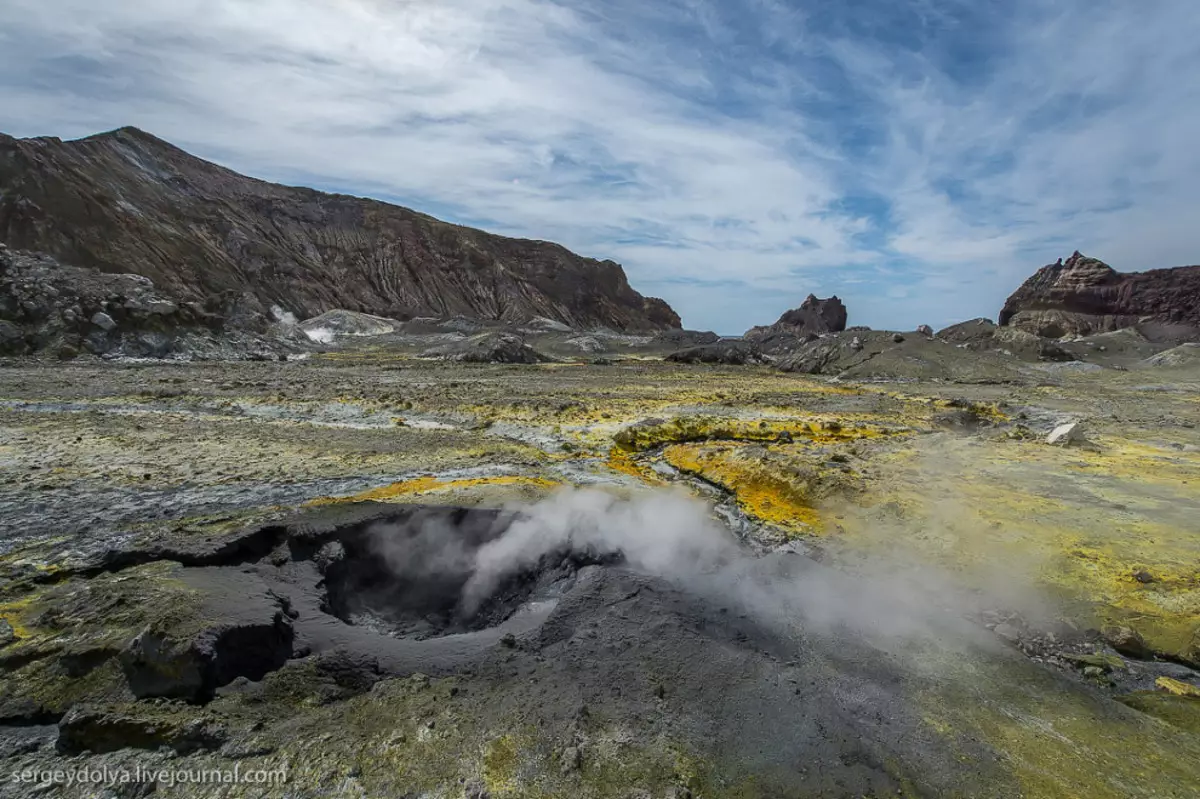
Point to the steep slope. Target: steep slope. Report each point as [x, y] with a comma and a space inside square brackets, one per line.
[1085, 295]
[128, 202]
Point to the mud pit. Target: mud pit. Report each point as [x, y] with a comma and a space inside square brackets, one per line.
[199, 571]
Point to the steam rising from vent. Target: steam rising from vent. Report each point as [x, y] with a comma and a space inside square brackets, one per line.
[665, 533]
[474, 574]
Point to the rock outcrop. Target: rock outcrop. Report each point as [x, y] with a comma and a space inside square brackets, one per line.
[814, 317]
[1083, 296]
[49, 308]
[127, 202]
[983, 335]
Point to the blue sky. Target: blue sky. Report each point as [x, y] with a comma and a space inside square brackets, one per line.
[918, 158]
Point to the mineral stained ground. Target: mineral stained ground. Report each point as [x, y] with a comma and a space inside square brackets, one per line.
[913, 594]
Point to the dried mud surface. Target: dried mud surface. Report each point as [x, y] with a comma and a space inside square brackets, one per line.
[190, 576]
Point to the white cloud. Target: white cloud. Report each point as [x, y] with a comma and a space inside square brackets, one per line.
[686, 139]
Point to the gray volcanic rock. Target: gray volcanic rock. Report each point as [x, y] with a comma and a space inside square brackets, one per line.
[50, 308]
[983, 335]
[876, 355]
[1084, 296]
[813, 316]
[126, 201]
[242, 630]
[487, 348]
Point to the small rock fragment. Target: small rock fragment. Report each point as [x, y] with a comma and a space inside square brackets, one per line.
[925, 330]
[897, 337]
[1065, 434]
[1143, 576]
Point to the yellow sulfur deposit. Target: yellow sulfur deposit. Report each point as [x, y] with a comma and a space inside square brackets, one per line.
[426, 485]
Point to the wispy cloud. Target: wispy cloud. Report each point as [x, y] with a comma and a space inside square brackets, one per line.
[918, 158]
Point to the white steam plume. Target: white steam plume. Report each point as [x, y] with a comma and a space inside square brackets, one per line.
[669, 534]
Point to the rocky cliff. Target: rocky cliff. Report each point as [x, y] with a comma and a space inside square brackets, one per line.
[1082, 296]
[127, 202]
[814, 317]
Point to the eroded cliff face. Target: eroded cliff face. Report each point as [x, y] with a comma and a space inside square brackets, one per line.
[1083, 295]
[127, 202]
